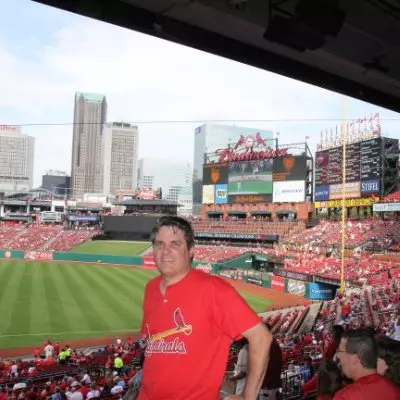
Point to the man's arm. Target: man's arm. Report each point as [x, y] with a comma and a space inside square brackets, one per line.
[260, 339]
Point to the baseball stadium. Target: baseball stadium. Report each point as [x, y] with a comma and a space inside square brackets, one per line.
[309, 239]
[72, 274]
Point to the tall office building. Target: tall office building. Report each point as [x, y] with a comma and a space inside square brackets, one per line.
[166, 174]
[90, 115]
[210, 137]
[16, 160]
[120, 157]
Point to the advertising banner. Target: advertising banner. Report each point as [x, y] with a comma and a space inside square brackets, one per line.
[147, 194]
[289, 192]
[347, 203]
[278, 283]
[38, 255]
[386, 207]
[324, 279]
[318, 291]
[226, 235]
[289, 168]
[321, 193]
[215, 173]
[255, 281]
[352, 190]
[208, 194]
[292, 275]
[371, 186]
[221, 194]
[83, 218]
[296, 288]
[250, 177]
[149, 262]
[321, 168]
[257, 198]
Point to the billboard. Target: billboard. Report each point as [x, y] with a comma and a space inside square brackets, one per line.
[250, 177]
[296, 288]
[363, 162]
[289, 168]
[321, 168]
[215, 173]
[321, 193]
[278, 283]
[370, 187]
[221, 194]
[289, 192]
[208, 194]
[347, 203]
[257, 198]
[386, 207]
[352, 190]
[147, 194]
[319, 291]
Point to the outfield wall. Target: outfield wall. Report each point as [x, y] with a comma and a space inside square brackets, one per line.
[314, 290]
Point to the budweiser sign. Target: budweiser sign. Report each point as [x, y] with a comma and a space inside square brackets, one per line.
[244, 150]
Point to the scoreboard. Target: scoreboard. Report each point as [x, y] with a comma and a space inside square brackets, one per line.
[370, 159]
[363, 170]
[363, 162]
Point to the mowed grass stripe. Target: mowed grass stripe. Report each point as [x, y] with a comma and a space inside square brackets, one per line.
[82, 292]
[52, 283]
[21, 311]
[131, 282]
[9, 285]
[108, 296]
[39, 308]
[71, 307]
[131, 286]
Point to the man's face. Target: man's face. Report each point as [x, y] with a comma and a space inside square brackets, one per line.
[346, 360]
[171, 253]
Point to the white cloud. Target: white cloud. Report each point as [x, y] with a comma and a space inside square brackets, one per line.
[145, 78]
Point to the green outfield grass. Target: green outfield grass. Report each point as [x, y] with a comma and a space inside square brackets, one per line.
[68, 301]
[112, 248]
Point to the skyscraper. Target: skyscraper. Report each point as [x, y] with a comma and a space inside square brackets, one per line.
[90, 115]
[169, 175]
[120, 156]
[16, 160]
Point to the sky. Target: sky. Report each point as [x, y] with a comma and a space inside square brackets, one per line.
[46, 55]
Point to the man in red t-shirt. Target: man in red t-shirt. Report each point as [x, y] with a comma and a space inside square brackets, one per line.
[189, 320]
[358, 355]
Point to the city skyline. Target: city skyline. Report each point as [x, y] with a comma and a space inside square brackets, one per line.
[146, 79]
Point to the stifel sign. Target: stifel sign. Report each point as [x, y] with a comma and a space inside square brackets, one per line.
[244, 150]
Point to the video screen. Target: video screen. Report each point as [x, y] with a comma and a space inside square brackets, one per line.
[250, 177]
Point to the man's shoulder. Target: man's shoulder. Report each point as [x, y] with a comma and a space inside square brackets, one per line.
[153, 283]
[348, 392]
[201, 277]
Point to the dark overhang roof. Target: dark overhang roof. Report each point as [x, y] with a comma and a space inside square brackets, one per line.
[354, 49]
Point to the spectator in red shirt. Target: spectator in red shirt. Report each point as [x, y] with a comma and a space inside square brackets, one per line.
[358, 354]
[189, 320]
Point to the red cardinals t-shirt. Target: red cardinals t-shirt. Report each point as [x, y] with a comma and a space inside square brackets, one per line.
[189, 331]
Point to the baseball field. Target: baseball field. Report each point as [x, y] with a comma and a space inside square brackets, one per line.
[70, 301]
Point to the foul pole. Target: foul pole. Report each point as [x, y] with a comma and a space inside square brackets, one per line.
[344, 140]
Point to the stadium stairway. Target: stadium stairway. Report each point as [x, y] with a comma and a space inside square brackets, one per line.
[309, 320]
